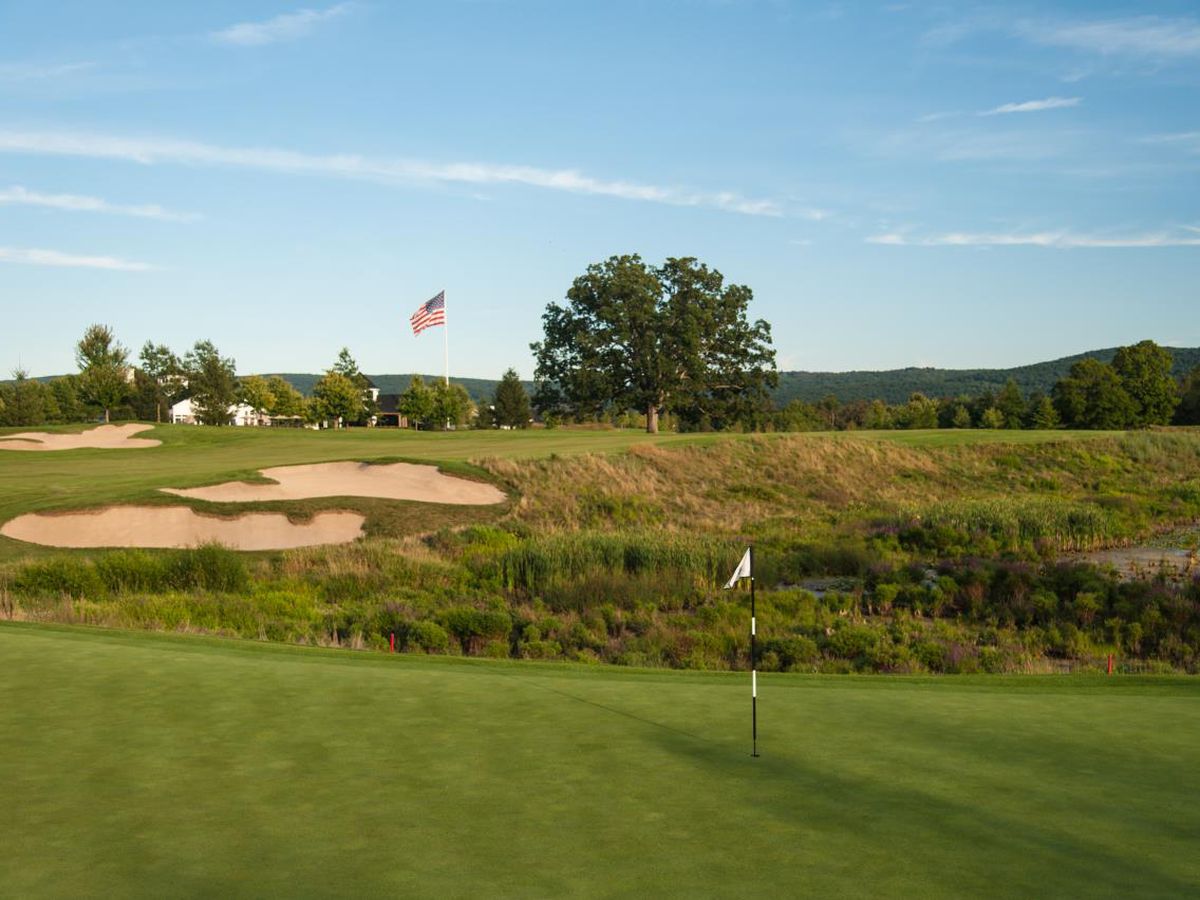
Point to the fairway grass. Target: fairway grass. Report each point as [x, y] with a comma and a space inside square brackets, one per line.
[152, 765]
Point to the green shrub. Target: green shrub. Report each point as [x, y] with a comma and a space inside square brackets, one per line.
[125, 571]
[60, 576]
[209, 567]
[428, 637]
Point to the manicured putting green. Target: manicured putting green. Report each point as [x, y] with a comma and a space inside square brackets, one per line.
[152, 765]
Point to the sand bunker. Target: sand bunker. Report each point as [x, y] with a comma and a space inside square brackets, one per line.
[179, 526]
[394, 481]
[103, 437]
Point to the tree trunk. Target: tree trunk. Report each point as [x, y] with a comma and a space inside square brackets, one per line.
[652, 419]
[106, 415]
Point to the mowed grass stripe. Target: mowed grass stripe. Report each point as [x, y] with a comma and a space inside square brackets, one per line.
[151, 765]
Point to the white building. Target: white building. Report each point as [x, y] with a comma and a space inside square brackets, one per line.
[182, 413]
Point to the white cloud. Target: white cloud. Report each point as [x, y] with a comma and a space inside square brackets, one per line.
[286, 27]
[1188, 140]
[38, 72]
[386, 171]
[36, 257]
[19, 196]
[1054, 239]
[1033, 106]
[1151, 37]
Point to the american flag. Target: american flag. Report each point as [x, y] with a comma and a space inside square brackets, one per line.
[430, 313]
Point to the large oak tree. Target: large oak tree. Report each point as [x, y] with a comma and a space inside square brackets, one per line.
[675, 338]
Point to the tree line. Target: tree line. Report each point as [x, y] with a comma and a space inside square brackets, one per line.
[1135, 390]
[110, 385]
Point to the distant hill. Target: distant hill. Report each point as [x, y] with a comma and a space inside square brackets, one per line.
[891, 385]
[896, 385]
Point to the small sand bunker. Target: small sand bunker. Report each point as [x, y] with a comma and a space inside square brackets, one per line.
[179, 526]
[393, 481]
[103, 437]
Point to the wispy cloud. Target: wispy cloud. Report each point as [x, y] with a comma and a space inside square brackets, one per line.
[1151, 37]
[1033, 106]
[1188, 140]
[22, 71]
[19, 196]
[56, 258]
[1063, 240]
[394, 171]
[286, 27]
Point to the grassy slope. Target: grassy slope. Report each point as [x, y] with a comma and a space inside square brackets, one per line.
[192, 456]
[152, 765]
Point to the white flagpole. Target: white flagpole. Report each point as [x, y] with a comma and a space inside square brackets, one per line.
[446, 347]
[446, 337]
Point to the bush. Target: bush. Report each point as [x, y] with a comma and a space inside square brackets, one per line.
[63, 576]
[428, 637]
[209, 567]
[132, 570]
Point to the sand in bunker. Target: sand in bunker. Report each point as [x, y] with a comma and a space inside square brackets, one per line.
[103, 437]
[178, 526]
[393, 481]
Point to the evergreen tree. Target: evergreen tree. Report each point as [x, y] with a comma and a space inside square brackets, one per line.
[1011, 404]
[103, 369]
[1042, 414]
[165, 371]
[511, 404]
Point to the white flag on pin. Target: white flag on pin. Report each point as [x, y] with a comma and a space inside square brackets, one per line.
[742, 570]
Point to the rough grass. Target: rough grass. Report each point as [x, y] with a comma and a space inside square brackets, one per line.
[139, 765]
[766, 486]
[191, 456]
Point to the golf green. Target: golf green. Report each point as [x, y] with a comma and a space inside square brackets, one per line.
[157, 765]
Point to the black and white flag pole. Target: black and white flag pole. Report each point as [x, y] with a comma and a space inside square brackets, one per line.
[745, 569]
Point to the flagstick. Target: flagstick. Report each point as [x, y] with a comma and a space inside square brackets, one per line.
[753, 664]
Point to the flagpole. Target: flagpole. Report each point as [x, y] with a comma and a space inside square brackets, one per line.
[446, 348]
[753, 662]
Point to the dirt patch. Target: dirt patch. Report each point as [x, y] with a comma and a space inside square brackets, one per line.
[1145, 562]
[179, 526]
[103, 437]
[393, 481]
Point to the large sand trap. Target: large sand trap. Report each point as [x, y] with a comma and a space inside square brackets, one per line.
[394, 481]
[103, 437]
[179, 526]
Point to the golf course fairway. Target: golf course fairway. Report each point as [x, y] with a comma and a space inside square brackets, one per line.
[159, 765]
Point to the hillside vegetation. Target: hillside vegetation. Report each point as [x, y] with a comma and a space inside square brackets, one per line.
[874, 555]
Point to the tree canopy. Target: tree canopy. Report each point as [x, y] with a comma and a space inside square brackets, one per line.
[212, 382]
[675, 338]
[511, 402]
[103, 363]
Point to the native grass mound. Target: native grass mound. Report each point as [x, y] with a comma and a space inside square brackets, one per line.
[102, 437]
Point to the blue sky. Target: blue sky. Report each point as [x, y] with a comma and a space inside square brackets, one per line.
[900, 183]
